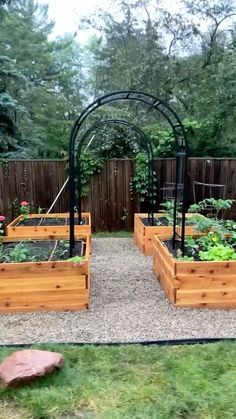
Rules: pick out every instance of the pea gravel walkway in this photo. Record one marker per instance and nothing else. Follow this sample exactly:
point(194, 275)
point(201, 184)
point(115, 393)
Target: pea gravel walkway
point(127, 304)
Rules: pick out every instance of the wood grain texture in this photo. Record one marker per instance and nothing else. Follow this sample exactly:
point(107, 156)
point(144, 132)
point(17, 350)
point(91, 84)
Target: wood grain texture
point(195, 284)
point(143, 235)
point(16, 231)
point(37, 286)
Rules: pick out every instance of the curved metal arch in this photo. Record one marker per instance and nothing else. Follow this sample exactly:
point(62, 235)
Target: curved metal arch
point(145, 144)
point(153, 103)
point(146, 98)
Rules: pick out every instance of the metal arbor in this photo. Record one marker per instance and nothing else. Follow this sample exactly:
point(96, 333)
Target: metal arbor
point(145, 144)
point(152, 103)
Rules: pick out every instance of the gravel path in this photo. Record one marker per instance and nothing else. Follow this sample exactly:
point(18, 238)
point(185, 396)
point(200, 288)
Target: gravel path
point(127, 304)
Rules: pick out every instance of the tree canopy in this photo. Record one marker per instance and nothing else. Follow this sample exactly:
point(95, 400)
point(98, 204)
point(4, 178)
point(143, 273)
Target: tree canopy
point(187, 58)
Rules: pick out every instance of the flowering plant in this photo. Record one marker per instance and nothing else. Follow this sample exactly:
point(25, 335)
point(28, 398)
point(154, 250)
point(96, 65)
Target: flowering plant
point(25, 209)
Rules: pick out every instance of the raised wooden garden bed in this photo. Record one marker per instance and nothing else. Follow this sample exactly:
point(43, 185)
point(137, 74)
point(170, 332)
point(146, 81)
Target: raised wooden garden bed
point(59, 285)
point(144, 234)
point(47, 226)
point(192, 283)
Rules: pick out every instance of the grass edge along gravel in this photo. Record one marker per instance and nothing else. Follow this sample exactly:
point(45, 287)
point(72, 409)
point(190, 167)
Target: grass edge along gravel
point(196, 381)
point(114, 234)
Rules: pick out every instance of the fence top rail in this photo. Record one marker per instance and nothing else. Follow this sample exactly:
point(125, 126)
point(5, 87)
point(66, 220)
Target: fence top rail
point(155, 159)
point(33, 160)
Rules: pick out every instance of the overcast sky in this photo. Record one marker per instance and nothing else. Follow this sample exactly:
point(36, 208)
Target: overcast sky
point(66, 13)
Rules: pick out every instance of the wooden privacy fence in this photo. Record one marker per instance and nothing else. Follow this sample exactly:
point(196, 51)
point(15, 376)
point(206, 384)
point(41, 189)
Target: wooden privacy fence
point(110, 201)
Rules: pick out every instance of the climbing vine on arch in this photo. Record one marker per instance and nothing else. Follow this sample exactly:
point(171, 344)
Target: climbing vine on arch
point(139, 181)
point(89, 166)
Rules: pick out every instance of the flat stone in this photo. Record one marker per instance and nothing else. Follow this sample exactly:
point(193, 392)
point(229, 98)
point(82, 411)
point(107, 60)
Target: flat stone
point(27, 365)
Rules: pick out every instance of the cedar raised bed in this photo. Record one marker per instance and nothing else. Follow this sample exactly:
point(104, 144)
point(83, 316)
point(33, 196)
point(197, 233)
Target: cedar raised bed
point(58, 285)
point(59, 227)
point(192, 283)
point(144, 234)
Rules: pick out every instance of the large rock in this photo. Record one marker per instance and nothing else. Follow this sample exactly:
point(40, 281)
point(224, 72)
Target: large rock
point(27, 365)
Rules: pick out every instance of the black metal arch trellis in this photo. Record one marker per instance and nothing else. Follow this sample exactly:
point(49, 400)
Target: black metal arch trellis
point(180, 140)
point(145, 144)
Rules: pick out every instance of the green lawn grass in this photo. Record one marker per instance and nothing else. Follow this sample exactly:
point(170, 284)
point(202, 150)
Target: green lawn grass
point(131, 382)
point(115, 234)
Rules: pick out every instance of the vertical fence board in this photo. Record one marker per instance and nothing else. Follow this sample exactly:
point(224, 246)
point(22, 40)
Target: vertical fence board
point(39, 181)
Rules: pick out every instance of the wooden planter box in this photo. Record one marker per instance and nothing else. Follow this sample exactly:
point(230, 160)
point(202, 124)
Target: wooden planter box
point(195, 284)
point(143, 235)
point(44, 286)
point(16, 231)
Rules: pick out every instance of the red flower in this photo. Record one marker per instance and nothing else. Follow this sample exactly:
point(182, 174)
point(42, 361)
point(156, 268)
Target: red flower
point(2, 218)
point(24, 204)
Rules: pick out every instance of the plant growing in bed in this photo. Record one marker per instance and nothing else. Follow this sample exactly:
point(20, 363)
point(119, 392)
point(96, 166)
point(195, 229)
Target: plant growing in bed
point(37, 251)
point(216, 243)
point(25, 209)
point(168, 211)
point(52, 225)
point(163, 222)
point(217, 205)
point(39, 275)
point(205, 276)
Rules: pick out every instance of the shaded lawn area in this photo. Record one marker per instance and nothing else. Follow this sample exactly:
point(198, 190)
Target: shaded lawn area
point(196, 381)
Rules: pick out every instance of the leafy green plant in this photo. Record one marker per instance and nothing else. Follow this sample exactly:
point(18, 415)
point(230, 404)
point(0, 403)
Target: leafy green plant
point(169, 211)
point(218, 252)
point(231, 239)
point(2, 253)
point(25, 209)
point(162, 139)
point(207, 225)
point(190, 243)
point(215, 244)
point(139, 182)
point(217, 205)
point(195, 208)
point(230, 225)
point(185, 258)
point(62, 249)
point(212, 239)
point(88, 166)
point(76, 259)
point(19, 253)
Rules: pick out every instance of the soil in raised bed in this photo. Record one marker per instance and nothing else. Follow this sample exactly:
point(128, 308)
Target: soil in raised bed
point(177, 250)
point(193, 253)
point(160, 221)
point(38, 251)
point(48, 222)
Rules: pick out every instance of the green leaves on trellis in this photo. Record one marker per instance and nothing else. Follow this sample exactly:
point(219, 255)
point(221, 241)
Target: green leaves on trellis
point(89, 166)
point(139, 182)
